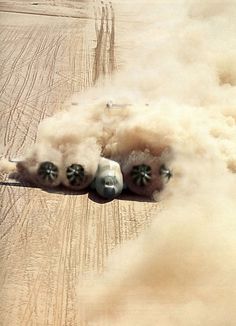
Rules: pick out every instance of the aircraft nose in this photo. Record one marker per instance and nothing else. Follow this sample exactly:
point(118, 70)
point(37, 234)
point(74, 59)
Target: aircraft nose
point(109, 192)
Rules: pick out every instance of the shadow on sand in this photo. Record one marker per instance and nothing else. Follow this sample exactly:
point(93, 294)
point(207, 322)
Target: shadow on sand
point(61, 190)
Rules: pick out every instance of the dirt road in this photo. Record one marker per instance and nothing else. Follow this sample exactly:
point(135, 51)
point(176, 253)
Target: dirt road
point(49, 239)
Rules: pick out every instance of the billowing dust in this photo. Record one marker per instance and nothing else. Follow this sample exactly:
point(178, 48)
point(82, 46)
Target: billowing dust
point(175, 105)
point(180, 80)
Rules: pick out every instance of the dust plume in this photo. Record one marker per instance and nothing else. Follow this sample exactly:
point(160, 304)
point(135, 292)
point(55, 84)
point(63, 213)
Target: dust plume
point(181, 270)
point(176, 105)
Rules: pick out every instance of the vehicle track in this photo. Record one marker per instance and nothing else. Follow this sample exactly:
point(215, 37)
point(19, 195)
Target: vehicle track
point(104, 56)
point(28, 82)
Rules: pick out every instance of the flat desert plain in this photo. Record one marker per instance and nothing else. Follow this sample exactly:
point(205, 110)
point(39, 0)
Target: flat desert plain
point(50, 50)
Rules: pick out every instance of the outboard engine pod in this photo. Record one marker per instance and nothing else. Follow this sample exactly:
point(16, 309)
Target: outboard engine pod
point(47, 173)
point(166, 173)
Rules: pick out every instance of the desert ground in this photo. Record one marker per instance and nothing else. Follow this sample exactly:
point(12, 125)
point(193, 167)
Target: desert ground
point(49, 50)
point(71, 258)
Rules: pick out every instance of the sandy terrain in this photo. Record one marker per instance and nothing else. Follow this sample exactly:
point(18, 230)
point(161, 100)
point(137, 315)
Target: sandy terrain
point(48, 239)
point(65, 258)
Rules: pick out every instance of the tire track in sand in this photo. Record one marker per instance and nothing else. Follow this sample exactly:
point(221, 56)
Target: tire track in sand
point(104, 52)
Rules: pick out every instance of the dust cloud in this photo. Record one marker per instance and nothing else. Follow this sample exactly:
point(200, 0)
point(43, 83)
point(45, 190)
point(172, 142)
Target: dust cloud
point(175, 104)
point(180, 80)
